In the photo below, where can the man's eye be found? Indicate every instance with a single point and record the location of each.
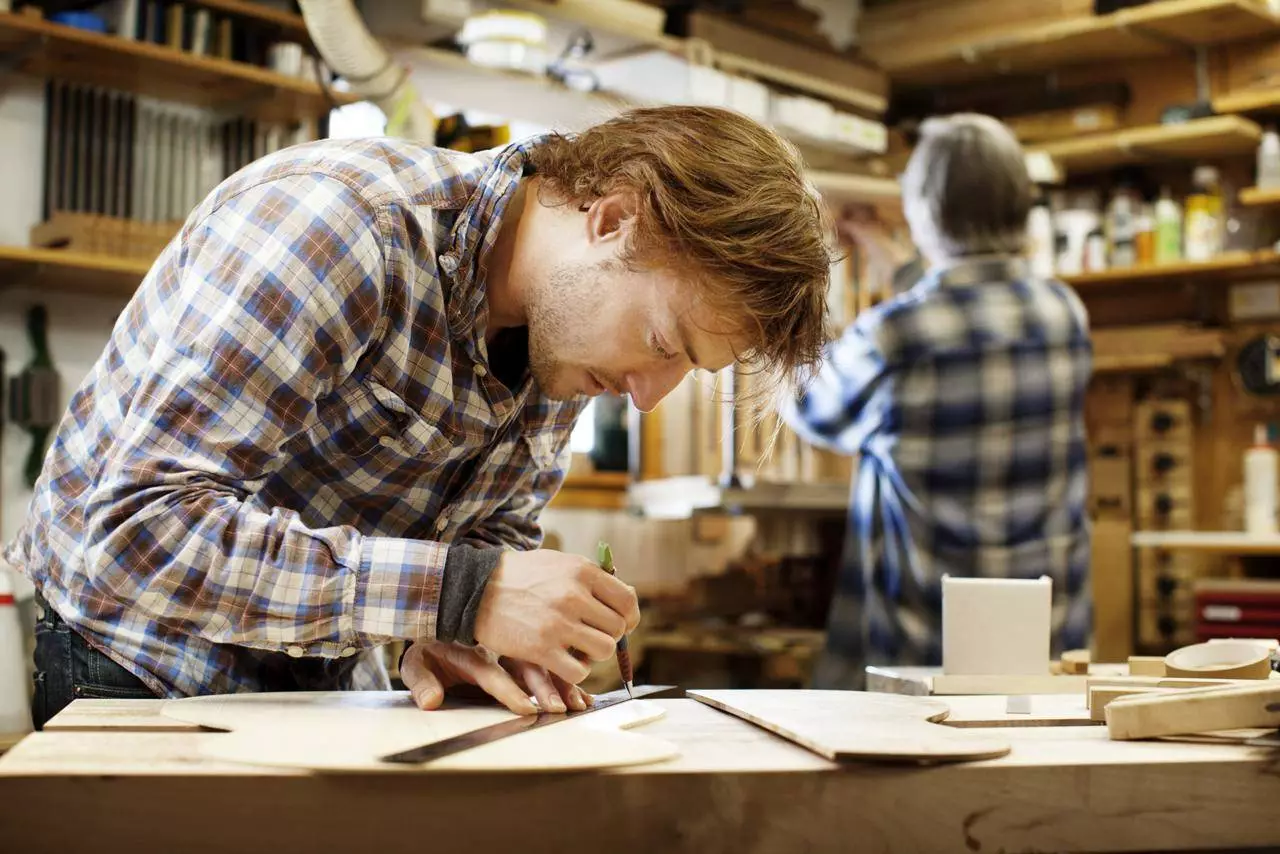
(659, 349)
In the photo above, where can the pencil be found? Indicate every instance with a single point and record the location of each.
(605, 559)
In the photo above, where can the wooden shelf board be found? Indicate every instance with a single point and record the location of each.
(681, 497)
(1253, 197)
(1261, 100)
(287, 22)
(1214, 542)
(1156, 29)
(823, 88)
(1232, 266)
(840, 187)
(72, 272)
(53, 50)
(1214, 137)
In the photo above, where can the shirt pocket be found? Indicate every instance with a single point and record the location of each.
(545, 445)
(369, 426)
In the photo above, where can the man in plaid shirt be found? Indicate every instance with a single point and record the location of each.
(963, 397)
(333, 411)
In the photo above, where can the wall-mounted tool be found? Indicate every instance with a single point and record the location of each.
(33, 393)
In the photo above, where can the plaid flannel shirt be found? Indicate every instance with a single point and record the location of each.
(964, 399)
(293, 418)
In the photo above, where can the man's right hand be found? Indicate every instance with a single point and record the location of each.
(540, 605)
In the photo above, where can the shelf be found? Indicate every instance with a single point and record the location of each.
(1212, 542)
(286, 22)
(70, 272)
(1253, 197)
(1265, 100)
(53, 50)
(1215, 137)
(1152, 347)
(841, 187)
(1233, 266)
(531, 98)
(605, 490)
(681, 497)
(1163, 28)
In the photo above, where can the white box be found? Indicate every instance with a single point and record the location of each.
(996, 626)
(860, 133)
(749, 98)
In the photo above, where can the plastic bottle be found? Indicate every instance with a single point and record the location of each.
(15, 708)
(1204, 221)
(1041, 239)
(1095, 252)
(1121, 229)
(1260, 471)
(1144, 238)
(1168, 229)
(1269, 160)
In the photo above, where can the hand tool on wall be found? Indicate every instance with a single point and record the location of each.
(33, 393)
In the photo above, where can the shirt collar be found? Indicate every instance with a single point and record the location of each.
(476, 230)
(976, 269)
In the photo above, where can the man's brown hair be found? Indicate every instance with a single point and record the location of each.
(723, 200)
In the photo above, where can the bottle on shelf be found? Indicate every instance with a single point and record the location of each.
(1121, 228)
(1260, 471)
(1144, 238)
(1269, 160)
(1168, 215)
(1074, 225)
(1095, 251)
(1204, 217)
(1041, 238)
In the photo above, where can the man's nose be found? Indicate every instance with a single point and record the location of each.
(648, 388)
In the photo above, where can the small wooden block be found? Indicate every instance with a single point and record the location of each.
(1146, 665)
(1075, 661)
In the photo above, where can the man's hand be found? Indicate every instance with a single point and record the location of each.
(884, 253)
(540, 605)
(431, 668)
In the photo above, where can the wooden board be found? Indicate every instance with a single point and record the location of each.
(1230, 266)
(347, 731)
(852, 725)
(1047, 710)
(54, 50)
(1194, 711)
(1062, 788)
(1256, 197)
(945, 684)
(1214, 137)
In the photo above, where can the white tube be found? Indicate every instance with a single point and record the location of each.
(350, 49)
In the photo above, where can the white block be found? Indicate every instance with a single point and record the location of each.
(996, 626)
(708, 87)
(749, 98)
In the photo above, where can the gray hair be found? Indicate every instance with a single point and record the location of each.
(966, 190)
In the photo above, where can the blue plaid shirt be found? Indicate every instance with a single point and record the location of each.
(964, 399)
(293, 420)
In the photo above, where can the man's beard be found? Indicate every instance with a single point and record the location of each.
(558, 315)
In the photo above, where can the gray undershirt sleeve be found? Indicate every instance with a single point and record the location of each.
(466, 574)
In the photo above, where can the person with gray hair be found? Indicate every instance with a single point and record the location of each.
(963, 397)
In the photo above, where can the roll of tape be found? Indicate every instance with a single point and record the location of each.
(1221, 660)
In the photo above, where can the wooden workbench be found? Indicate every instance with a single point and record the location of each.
(117, 774)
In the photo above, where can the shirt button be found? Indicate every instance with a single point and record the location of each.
(296, 652)
(449, 264)
(348, 652)
(386, 441)
(442, 523)
(481, 371)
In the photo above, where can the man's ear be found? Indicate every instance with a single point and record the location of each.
(611, 217)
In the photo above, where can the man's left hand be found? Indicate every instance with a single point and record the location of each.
(431, 668)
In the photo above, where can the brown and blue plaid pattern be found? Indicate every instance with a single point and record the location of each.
(292, 419)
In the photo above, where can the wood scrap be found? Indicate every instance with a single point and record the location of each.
(1075, 661)
(1146, 665)
(1198, 711)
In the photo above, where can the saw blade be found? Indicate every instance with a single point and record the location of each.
(524, 723)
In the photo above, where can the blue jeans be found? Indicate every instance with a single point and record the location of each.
(68, 668)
